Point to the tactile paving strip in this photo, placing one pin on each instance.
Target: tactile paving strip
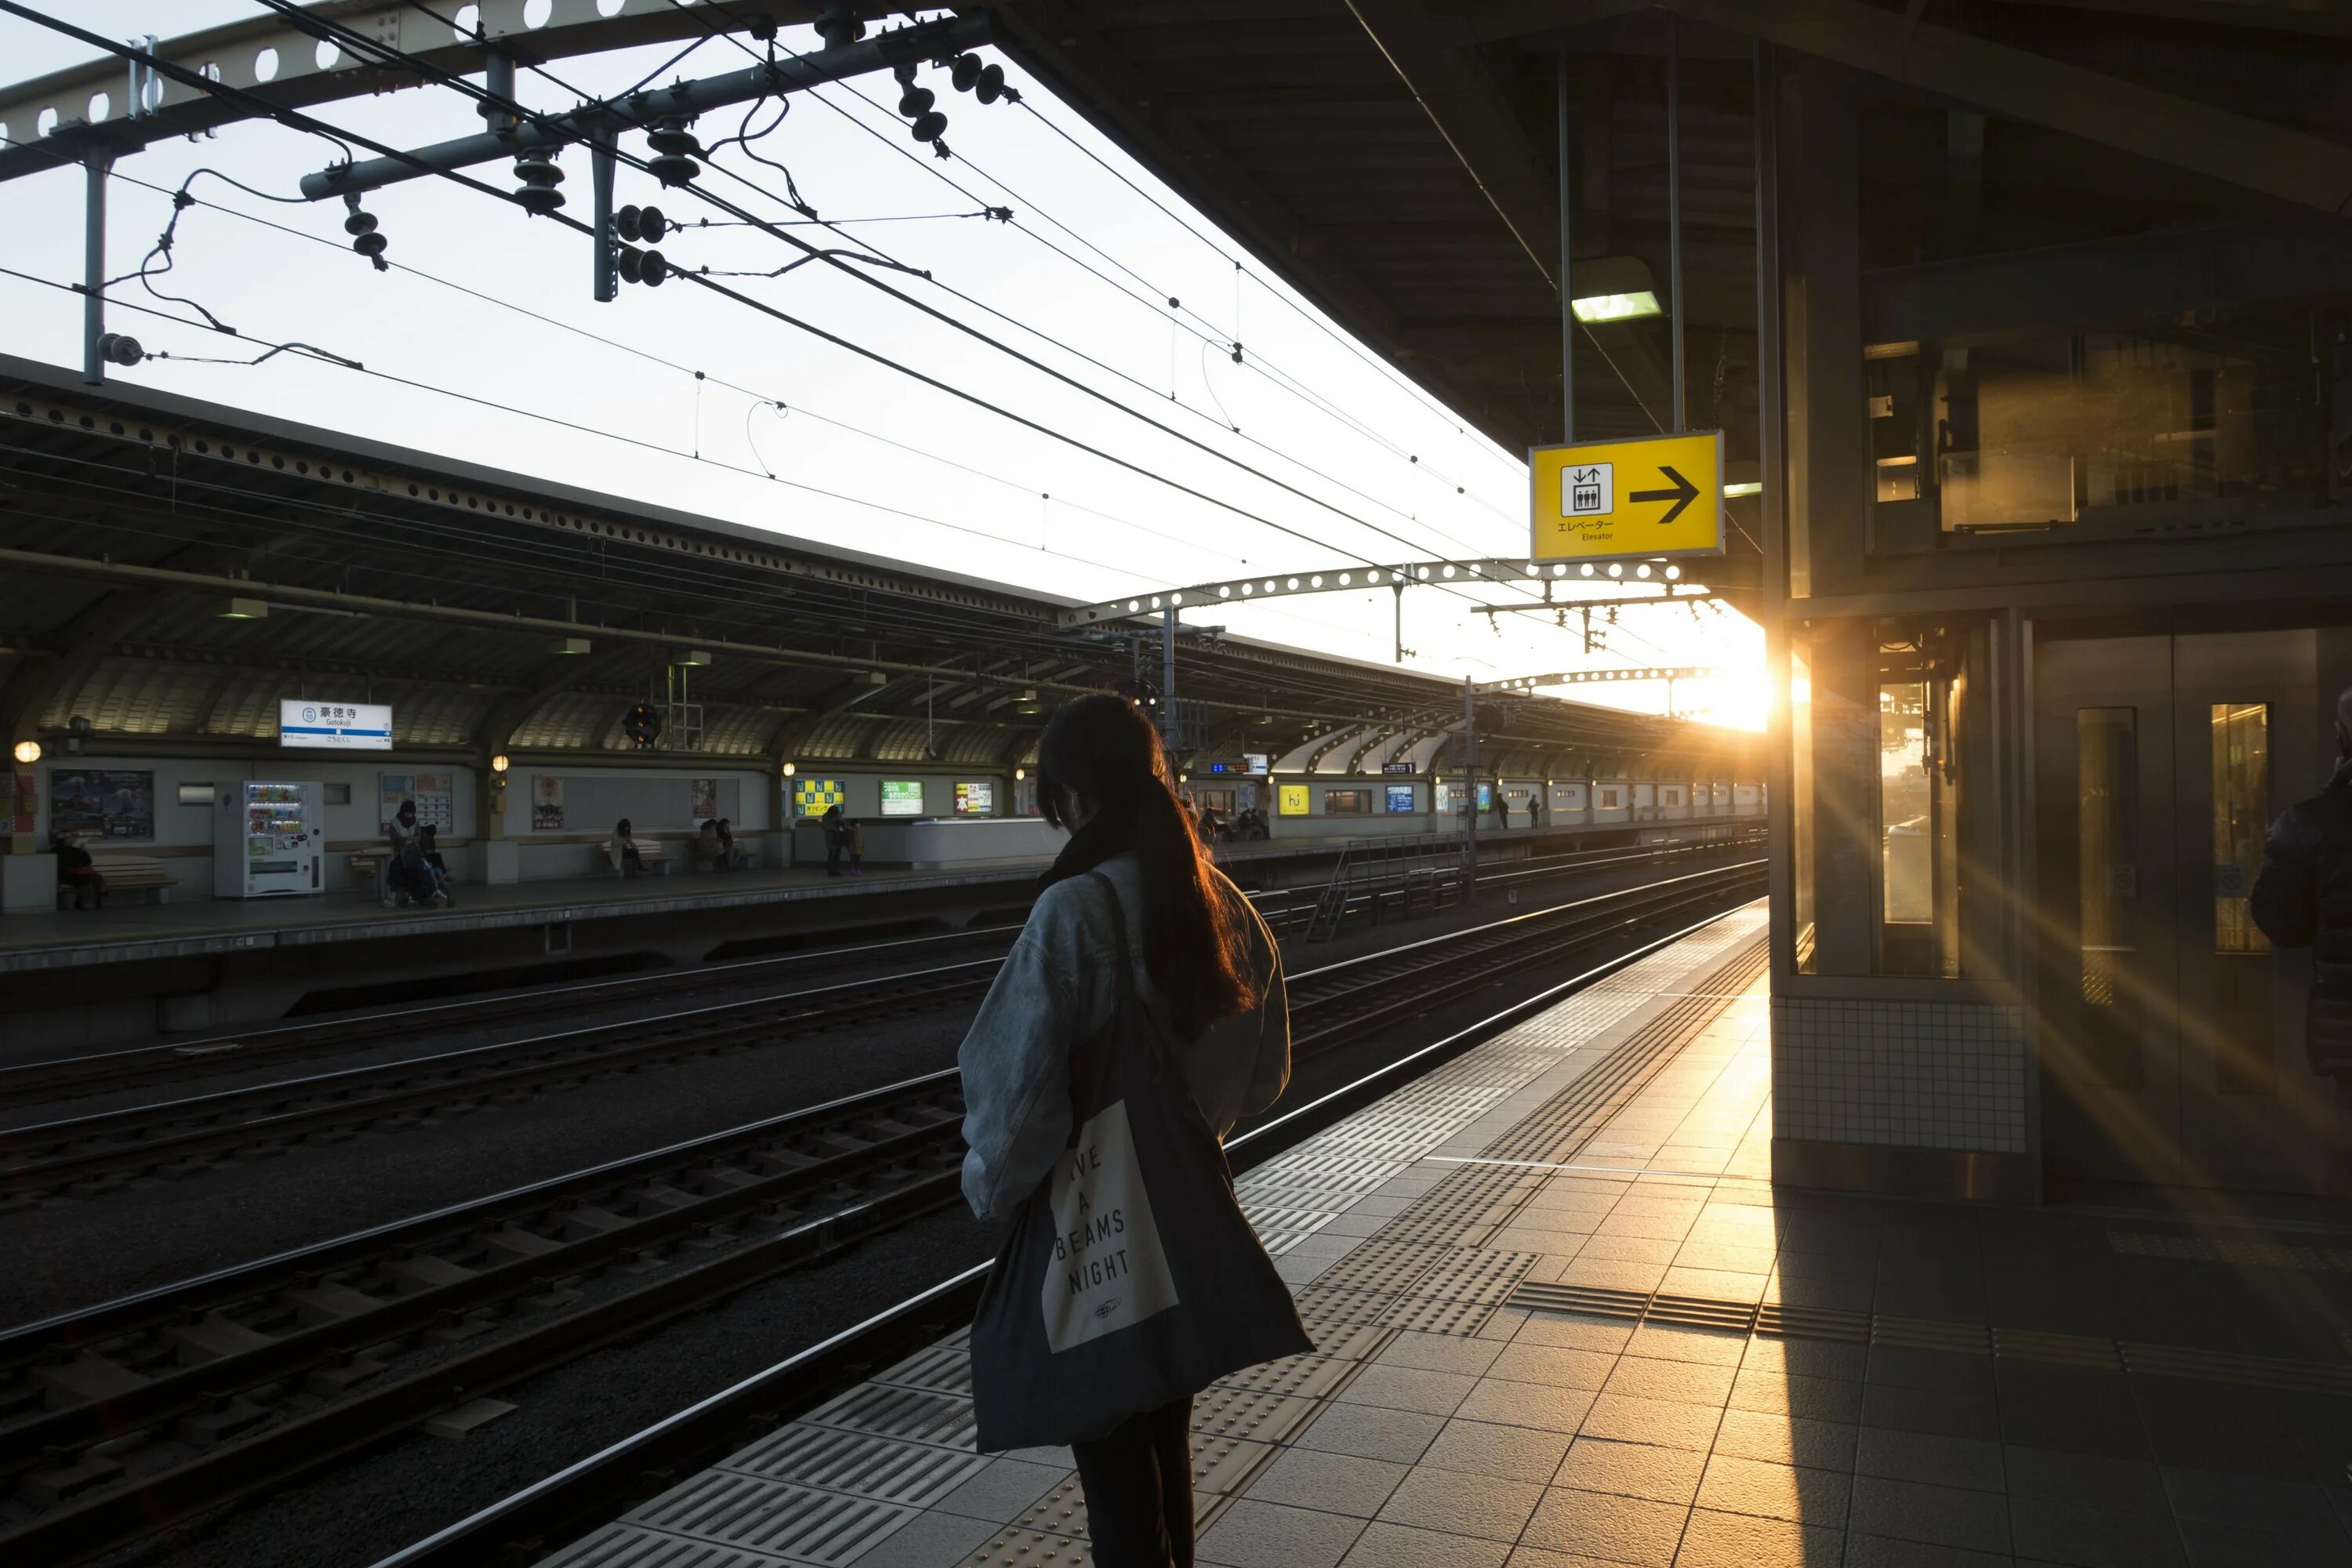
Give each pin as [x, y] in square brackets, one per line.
[917, 1414]
[862, 1464]
[627, 1545]
[799, 1524]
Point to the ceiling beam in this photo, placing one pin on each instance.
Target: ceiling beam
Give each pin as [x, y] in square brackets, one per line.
[2019, 84]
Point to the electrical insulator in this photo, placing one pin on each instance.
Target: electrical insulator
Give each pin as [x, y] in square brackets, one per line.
[992, 87]
[120, 348]
[964, 71]
[916, 101]
[646, 266]
[641, 223]
[538, 176]
[838, 25]
[674, 150]
[905, 71]
[929, 126]
[362, 227]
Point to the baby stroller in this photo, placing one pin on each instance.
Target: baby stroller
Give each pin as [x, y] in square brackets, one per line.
[410, 880]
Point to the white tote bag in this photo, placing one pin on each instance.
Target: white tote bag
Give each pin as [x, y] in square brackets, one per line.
[1109, 1270]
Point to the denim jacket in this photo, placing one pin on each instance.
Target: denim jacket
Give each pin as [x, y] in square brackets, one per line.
[1056, 989]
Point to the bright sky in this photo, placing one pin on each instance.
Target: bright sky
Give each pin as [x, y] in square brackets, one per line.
[915, 473]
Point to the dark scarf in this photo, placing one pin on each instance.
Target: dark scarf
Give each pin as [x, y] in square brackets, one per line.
[1107, 834]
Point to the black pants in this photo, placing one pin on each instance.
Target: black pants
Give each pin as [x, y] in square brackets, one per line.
[1138, 1486]
[833, 860]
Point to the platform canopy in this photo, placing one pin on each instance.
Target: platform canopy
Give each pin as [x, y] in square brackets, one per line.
[1397, 162]
[171, 569]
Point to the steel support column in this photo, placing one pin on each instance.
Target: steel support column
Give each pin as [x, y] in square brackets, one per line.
[95, 160]
[1567, 299]
[1674, 211]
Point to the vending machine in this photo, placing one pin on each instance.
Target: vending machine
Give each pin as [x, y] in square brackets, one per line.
[269, 839]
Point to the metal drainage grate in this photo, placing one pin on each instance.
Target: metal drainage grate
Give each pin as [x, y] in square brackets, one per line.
[2237, 1251]
[1949, 1338]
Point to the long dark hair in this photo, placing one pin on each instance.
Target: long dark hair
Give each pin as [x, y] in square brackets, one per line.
[1194, 950]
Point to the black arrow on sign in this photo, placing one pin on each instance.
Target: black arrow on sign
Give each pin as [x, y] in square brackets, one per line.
[1682, 495]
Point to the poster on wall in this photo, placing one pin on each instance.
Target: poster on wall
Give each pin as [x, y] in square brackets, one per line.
[436, 796]
[1400, 800]
[702, 804]
[102, 804]
[546, 803]
[1291, 800]
[814, 797]
[975, 798]
[902, 797]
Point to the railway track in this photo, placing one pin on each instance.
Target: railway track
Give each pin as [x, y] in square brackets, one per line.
[87, 1156]
[119, 1418]
[40, 1083]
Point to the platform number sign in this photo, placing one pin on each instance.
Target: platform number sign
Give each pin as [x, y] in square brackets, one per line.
[813, 797]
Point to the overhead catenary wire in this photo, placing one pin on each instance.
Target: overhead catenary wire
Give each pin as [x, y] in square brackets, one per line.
[1223, 340]
[342, 36]
[309, 124]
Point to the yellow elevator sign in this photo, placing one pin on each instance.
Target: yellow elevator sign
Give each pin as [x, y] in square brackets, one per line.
[1612, 500]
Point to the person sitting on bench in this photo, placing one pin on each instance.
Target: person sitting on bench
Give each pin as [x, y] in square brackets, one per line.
[75, 870]
[623, 852]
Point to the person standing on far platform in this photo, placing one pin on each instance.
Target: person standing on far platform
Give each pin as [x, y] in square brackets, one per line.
[2303, 898]
[836, 839]
[1139, 1016]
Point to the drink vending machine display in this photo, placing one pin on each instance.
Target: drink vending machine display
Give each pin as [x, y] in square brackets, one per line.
[271, 840]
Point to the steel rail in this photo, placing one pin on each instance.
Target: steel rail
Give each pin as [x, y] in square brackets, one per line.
[559, 1507]
[693, 1195]
[61, 1078]
[88, 1153]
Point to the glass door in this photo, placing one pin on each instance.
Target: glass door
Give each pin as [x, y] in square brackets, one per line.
[2253, 1116]
[2108, 1040]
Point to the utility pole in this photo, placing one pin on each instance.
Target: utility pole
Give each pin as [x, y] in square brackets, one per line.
[1470, 784]
[1168, 681]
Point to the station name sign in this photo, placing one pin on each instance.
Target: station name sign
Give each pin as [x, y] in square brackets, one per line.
[1628, 500]
[334, 726]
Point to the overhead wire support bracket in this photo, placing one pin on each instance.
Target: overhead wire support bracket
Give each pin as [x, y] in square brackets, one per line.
[916, 44]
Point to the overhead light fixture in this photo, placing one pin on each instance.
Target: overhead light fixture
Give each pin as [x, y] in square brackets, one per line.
[694, 656]
[29, 751]
[790, 769]
[242, 610]
[500, 763]
[1744, 487]
[874, 678]
[1614, 288]
[1743, 477]
[1020, 773]
[568, 646]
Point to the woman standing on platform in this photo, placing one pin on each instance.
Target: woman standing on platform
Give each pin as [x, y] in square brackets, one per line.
[1140, 1015]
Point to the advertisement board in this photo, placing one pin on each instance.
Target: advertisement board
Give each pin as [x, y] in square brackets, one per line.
[814, 797]
[547, 803]
[1291, 800]
[1401, 801]
[436, 796]
[902, 797]
[334, 726]
[102, 803]
[975, 798]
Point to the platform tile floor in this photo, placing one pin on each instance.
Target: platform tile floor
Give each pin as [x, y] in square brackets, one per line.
[1563, 1321]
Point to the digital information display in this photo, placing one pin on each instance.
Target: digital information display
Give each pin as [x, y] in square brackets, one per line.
[1399, 799]
[902, 797]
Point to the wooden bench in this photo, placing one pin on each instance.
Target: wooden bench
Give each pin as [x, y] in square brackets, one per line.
[652, 853]
[126, 874]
